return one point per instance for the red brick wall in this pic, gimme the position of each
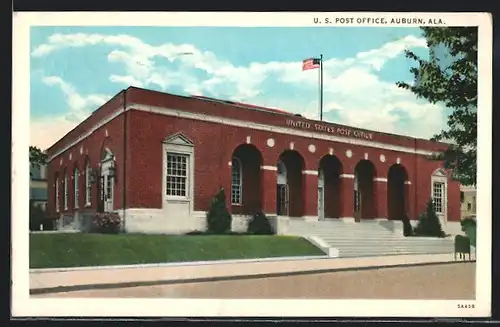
(214, 145)
(98, 115)
(92, 147)
(158, 99)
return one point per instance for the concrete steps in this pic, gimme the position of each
(368, 238)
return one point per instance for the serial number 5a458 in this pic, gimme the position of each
(465, 306)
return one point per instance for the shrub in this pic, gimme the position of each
(429, 224)
(218, 217)
(260, 225)
(407, 227)
(196, 232)
(106, 223)
(37, 216)
(469, 227)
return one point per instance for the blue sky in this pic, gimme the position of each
(75, 69)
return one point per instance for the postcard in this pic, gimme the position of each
(251, 164)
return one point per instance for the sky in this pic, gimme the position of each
(76, 69)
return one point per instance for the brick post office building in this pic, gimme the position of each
(158, 159)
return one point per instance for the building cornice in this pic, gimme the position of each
(240, 123)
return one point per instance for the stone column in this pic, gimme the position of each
(409, 196)
(225, 183)
(380, 205)
(310, 194)
(268, 189)
(347, 191)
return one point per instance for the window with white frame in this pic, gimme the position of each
(236, 182)
(109, 188)
(438, 196)
(76, 177)
(57, 193)
(177, 174)
(88, 185)
(65, 190)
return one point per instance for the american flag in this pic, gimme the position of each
(311, 63)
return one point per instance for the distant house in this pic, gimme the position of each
(468, 201)
(38, 186)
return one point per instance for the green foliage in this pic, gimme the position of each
(428, 223)
(37, 216)
(218, 217)
(86, 249)
(37, 156)
(106, 223)
(455, 85)
(469, 227)
(260, 225)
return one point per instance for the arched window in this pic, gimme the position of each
(88, 185)
(65, 190)
(237, 182)
(56, 186)
(76, 177)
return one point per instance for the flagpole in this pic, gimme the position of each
(321, 87)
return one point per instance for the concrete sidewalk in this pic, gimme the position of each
(63, 280)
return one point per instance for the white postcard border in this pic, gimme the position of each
(22, 305)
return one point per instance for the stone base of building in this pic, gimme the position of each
(157, 221)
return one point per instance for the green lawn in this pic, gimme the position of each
(76, 250)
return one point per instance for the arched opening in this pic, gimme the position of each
(106, 183)
(289, 197)
(329, 192)
(246, 180)
(76, 187)
(88, 182)
(56, 192)
(65, 190)
(397, 199)
(364, 174)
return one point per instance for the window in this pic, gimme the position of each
(236, 183)
(76, 177)
(88, 185)
(57, 194)
(109, 188)
(469, 206)
(177, 174)
(462, 197)
(65, 190)
(437, 196)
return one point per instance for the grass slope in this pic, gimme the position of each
(77, 250)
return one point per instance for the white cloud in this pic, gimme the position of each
(47, 130)
(127, 80)
(352, 87)
(377, 57)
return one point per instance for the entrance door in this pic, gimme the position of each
(282, 200)
(358, 198)
(321, 203)
(108, 187)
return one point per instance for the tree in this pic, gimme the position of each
(429, 224)
(37, 156)
(260, 225)
(455, 85)
(218, 217)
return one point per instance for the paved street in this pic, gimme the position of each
(442, 281)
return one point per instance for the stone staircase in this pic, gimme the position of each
(367, 238)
